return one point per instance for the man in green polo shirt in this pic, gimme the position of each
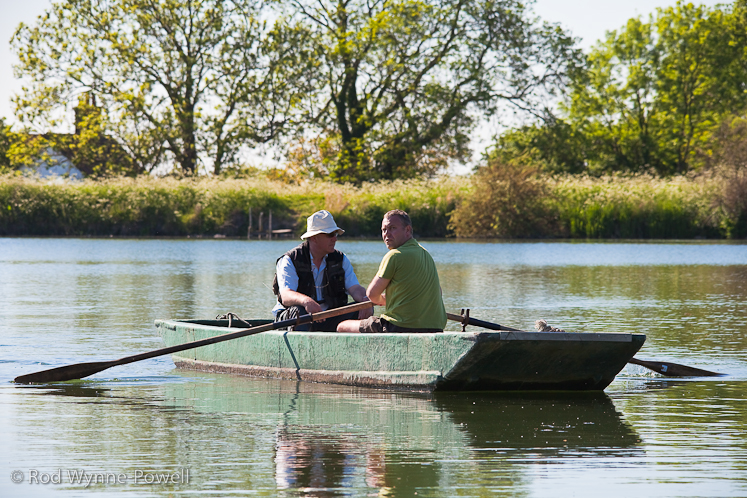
(406, 285)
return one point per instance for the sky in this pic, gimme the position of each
(588, 20)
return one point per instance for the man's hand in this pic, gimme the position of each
(293, 298)
(365, 313)
(312, 307)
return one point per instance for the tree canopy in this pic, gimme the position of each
(649, 97)
(185, 81)
(398, 85)
(392, 87)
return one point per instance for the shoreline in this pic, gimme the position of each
(572, 208)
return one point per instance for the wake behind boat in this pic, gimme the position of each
(448, 361)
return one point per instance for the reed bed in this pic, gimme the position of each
(209, 206)
(634, 207)
(576, 207)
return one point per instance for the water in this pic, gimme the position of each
(66, 301)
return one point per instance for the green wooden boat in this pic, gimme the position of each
(479, 360)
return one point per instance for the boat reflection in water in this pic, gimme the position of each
(328, 438)
(554, 423)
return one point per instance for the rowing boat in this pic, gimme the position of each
(448, 361)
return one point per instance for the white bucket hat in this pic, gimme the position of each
(321, 222)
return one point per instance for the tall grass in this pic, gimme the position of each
(143, 206)
(429, 203)
(638, 207)
(510, 202)
(169, 207)
(504, 204)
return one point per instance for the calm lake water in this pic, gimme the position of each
(66, 301)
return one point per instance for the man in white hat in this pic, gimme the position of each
(316, 277)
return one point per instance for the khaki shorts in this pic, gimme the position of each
(378, 325)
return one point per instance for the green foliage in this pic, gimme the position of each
(510, 201)
(726, 159)
(396, 85)
(89, 149)
(556, 147)
(507, 201)
(132, 207)
(169, 207)
(6, 140)
(360, 209)
(180, 80)
(649, 97)
(638, 207)
(500, 201)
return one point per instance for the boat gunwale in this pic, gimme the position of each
(479, 334)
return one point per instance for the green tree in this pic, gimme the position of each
(187, 81)
(613, 102)
(554, 146)
(701, 78)
(399, 84)
(651, 94)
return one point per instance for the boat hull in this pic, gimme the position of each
(447, 361)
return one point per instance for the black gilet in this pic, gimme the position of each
(333, 281)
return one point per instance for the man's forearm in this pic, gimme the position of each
(294, 298)
(375, 291)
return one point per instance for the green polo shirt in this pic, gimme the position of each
(413, 297)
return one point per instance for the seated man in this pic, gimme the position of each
(408, 274)
(315, 277)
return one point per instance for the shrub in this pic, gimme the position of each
(727, 168)
(508, 201)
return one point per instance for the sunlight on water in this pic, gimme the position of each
(65, 301)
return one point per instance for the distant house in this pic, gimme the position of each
(58, 165)
(86, 152)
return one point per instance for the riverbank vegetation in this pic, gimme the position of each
(499, 201)
(367, 105)
(147, 206)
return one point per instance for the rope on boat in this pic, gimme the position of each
(231, 317)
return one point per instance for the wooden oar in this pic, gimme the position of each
(662, 367)
(674, 369)
(82, 370)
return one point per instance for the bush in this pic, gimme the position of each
(507, 201)
(727, 168)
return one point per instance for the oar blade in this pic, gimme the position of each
(674, 369)
(61, 374)
(81, 370)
